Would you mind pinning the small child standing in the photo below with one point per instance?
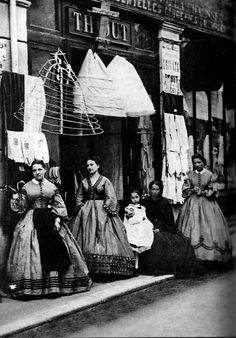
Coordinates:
(138, 228)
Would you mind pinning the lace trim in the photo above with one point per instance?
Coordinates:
(109, 264)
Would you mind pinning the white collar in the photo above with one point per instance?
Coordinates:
(37, 182)
(200, 172)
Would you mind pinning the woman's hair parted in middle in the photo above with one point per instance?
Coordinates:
(38, 162)
(200, 157)
(155, 182)
(97, 160)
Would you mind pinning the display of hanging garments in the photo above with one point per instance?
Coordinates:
(147, 154)
(176, 157)
(95, 92)
(130, 87)
(34, 104)
(24, 147)
(62, 115)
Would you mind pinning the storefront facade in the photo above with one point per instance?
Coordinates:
(183, 52)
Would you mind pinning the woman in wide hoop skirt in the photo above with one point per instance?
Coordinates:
(201, 219)
(98, 228)
(44, 257)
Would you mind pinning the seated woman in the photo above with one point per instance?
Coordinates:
(170, 253)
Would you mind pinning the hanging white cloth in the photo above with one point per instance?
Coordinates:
(24, 147)
(175, 161)
(95, 92)
(41, 147)
(130, 87)
(14, 147)
(34, 104)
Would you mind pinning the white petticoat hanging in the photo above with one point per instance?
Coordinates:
(130, 88)
(95, 92)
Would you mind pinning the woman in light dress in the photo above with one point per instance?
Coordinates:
(98, 228)
(44, 257)
(201, 219)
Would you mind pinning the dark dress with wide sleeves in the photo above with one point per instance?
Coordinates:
(99, 230)
(42, 259)
(202, 221)
(170, 253)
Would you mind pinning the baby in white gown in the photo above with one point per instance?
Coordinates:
(138, 228)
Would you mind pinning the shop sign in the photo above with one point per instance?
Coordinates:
(3, 50)
(86, 24)
(183, 11)
(170, 71)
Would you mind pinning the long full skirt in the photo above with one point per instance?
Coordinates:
(103, 240)
(202, 221)
(170, 254)
(25, 275)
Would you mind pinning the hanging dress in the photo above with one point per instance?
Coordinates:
(99, 230)
(43, 260)
(202, 221)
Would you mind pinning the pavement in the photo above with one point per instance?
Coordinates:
(17, 315)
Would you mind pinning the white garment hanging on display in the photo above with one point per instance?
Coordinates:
(183, 142)
(95, 92)
(175, 161)
(24, 147)
(14, 147)
(34, 104)
(130, 88)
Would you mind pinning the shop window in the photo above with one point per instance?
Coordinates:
(143, 37)
(211, 131)
(217, 144)
(230, 148)
(202, 128)
(43, 14)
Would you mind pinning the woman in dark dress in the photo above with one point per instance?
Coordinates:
(170, 253)
(44, 257)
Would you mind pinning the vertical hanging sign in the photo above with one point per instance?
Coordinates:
(170, 71)
(3, 50)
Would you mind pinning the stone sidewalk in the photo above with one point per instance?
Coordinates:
(17, 315)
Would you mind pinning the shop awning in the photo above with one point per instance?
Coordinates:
(130, 88)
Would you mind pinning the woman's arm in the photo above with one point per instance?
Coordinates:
(110, 203)
(187, 188)
(19, 202)
(58, 207)
(211, 191)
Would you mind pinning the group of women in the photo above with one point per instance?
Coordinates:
(52, 254)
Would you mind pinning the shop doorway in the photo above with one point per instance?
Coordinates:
(119, 147)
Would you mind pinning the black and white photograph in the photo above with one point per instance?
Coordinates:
(117, 168)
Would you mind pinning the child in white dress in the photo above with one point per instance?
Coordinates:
(138, 228)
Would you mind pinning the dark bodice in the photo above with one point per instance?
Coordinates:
(93, 192)
(160, 214)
